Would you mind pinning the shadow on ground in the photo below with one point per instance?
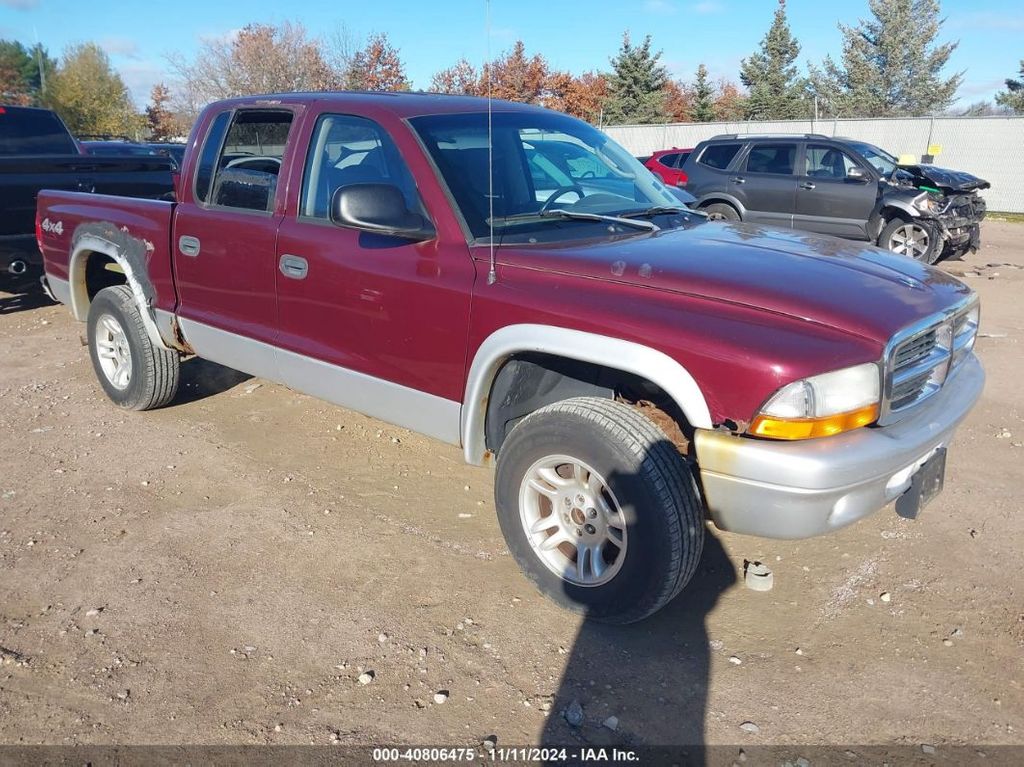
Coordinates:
(24, 294)
(201, 379)
(652, 676)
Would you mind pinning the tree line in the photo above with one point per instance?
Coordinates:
(892, 64)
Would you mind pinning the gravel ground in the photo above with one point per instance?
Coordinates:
(252, 566)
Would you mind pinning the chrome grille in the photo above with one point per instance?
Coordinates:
(921, 358)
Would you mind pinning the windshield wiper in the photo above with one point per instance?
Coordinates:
(580, 216)
(655, 210)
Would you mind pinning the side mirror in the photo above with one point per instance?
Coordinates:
(856, 173)
(378, 208)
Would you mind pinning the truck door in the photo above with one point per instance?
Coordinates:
(828, 199)
(765, 183)
(370, 321)
(225, 239)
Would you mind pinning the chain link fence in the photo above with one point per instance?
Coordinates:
(989, 147)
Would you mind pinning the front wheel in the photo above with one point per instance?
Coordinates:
(917, 239)
(721, 211)
(599, 509)
(134, 372)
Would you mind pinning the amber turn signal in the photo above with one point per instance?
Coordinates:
(808, 428)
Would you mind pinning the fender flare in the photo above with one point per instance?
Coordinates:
(627, 356)
(713, 197)
(83, 247)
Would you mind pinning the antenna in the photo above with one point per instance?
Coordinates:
(492, 274)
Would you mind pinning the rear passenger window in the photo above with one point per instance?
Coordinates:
(719, 155)
(668, 160)
(347, 150)
(249, 163)
(771, 158)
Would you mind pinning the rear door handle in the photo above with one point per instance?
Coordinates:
(807, 185)
(738, 180)
(188, 245)
(295, 267)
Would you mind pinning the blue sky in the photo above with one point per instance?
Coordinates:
(572, 34)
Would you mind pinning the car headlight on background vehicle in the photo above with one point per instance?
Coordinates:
(821, 405)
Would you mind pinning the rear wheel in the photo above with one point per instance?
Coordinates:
(917, 239)
(134, 373)
(599, 509)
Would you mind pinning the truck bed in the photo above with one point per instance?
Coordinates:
(141, 226)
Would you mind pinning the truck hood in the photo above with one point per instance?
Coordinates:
(947, 181)
(849, 286)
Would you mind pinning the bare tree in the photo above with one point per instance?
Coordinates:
(261, 58)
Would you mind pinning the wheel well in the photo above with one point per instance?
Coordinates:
(101, 271)
(527, 382)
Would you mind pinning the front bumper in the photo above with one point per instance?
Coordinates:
(806, 488)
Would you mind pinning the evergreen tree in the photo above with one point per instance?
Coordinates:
(23, 72)
(636, 85)
(703, 97)
(891, 64)
(777, 92)
(1013, 96)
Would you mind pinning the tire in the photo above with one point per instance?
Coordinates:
(721, 211)
(135, 374)
(641, 481)
(904, 237)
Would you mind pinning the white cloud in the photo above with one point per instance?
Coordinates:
(141, 77)
(660, 7)
(120, 46)
(19, 5)
(706, 7)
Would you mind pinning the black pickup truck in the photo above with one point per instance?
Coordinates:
(38, 152)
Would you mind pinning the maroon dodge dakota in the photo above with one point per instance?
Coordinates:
(517, 284)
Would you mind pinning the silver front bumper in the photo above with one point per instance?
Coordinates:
(806, 488)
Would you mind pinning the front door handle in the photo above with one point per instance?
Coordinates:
(738, 180)
(807, 185)
(295, 267)
(188, 245)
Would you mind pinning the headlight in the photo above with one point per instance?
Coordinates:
(928, 203)
(821, 405)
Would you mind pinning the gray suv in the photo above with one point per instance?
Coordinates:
(838, 186)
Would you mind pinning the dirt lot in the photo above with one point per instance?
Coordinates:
(222, 571)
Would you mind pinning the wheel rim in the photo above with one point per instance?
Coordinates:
(113, 352)
(910, 240)
(715, 216)
(572, 520)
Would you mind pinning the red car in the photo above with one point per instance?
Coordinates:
(667, 164)
(627, 367)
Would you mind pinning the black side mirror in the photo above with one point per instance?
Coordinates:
(856, 173)
(378, 208)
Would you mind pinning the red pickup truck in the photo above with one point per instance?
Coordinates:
(522, 287)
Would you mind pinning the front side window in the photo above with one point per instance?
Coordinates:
(879, 159)
(827, 162)
(772, 158)
(246, 171)
(537, 163)
(347, 150)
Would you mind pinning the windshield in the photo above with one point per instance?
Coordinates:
(882, 161)
(541, 162)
